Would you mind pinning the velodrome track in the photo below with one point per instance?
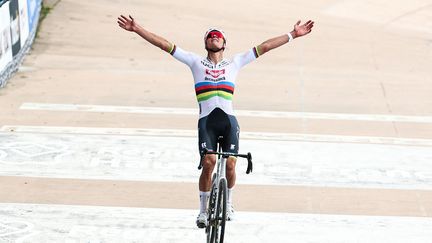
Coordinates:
(98, 128)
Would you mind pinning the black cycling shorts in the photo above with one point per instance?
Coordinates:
(215, 125)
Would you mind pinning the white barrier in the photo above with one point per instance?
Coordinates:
(18, 24)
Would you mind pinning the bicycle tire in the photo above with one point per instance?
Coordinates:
(218, 232)
(211, 210)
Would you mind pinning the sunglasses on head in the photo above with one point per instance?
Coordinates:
(213, 34)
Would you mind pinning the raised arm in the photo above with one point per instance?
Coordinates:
(299, 30)
(130, 24)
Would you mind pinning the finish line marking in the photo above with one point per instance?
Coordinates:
(242, 113)
(243, 135)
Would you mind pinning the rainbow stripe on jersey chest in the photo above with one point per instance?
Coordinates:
(214, 84)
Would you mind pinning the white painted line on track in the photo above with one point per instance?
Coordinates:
(243, 113)
(32, 223)
(243, 134)
(175, 159)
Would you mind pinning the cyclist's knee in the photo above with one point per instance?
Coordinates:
(231, 163)
(209, 162)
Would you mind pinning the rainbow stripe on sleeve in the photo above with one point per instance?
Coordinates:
(172, 49)
(207, 90)
(256, 51)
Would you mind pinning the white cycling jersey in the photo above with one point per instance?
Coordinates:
(214, 83)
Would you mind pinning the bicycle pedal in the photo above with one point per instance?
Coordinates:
(201, 225)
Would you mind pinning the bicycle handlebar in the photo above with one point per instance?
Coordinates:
(247, 156)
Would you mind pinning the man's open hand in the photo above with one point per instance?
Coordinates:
(128, 24)
(304, 29)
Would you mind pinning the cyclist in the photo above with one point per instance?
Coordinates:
(214, 79)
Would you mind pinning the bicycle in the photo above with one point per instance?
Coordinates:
(217, 204)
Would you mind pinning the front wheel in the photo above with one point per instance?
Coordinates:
(211, 210)
(218, 231)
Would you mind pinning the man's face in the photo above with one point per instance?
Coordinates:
(215, 40)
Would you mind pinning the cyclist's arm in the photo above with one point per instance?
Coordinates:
(130, 24)
(299, 30)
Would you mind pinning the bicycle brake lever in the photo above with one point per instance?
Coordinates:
(250, 165)
(203, 153)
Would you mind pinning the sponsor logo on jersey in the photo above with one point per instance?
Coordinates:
(215, 73)
(207, 64)
(214, 79)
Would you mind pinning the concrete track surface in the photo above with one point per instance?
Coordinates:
(98, 128)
